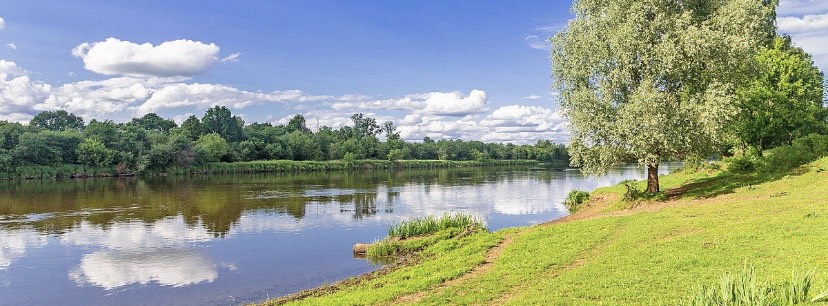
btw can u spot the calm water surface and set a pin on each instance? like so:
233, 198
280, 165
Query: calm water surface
237, 239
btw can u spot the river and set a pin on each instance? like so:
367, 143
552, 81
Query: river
244, 238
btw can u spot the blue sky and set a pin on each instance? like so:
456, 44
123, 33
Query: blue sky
444, 69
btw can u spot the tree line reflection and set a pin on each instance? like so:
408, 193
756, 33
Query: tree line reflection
218, 202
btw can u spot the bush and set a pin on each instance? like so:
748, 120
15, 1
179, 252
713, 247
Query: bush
800, 152
575, 198
742, 164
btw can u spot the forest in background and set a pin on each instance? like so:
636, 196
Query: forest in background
152, 144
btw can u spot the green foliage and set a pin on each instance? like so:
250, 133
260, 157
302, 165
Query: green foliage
56, 121
800, 152
784, 101
210, 148
92, 152
151, 144
221, 121
646, 81
395, 154
430, 224
743, 289
153, 122
575, 198
741, 164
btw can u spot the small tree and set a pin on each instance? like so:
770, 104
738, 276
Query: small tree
654, 79
210, 148
92, 152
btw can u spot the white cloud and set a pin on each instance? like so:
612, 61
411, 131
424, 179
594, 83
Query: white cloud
171, 58
532, 97
18, 93
207, 95
9, 68
454, 104
12, 46
431, 103
232, 58
2, 23
121, 98
439, 115
807, 23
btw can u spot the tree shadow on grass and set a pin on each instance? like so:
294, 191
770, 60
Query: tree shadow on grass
727, 182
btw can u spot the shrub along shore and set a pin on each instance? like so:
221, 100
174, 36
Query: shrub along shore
272, 166
721, 234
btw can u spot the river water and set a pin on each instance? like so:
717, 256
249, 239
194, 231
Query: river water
239, 239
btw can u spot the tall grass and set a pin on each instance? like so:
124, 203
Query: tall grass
430, 224
743, 289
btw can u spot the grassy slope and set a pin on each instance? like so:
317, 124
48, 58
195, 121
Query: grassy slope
653, 254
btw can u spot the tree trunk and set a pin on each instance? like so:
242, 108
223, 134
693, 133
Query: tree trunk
652, 178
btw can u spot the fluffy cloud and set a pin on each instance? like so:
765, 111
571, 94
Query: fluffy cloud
433, 103
11, 46
207, 95
454, 104
807, 23
18, 93
2, 23
171, 58
121, 98
438, 115
532, 97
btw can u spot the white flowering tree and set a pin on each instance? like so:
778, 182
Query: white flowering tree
651, 80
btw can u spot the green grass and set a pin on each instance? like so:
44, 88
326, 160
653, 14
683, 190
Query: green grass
430, 224
443, 261
775, 221
744, 289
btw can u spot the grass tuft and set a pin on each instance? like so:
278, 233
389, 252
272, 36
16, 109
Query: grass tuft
430, 224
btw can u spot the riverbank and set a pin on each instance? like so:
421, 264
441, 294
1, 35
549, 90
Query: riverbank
623, 252
272, 166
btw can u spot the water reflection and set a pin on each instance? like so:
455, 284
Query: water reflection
246, 236
168, 267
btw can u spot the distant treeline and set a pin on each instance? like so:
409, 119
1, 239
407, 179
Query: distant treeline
62, 142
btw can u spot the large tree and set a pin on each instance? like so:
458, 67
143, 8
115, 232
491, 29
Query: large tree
785, 99
220, 120
57, 121
654, 79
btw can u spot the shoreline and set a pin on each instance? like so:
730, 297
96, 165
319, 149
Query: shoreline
599, 233
77, 172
